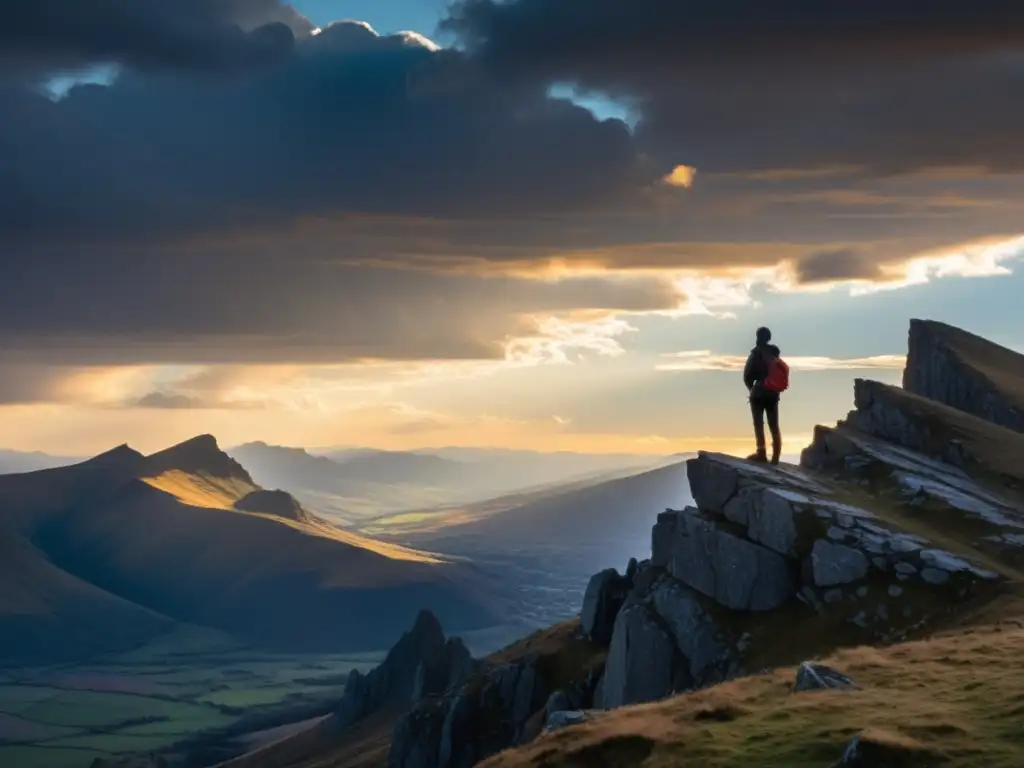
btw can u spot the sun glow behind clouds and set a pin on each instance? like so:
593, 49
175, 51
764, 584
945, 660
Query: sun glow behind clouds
681, 176
985, 258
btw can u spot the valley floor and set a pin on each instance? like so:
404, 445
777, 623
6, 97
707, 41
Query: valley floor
182, 689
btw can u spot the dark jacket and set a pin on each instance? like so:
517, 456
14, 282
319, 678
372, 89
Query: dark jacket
756, 371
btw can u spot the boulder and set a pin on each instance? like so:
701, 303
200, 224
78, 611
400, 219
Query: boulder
564, 718
813, 677
643, 664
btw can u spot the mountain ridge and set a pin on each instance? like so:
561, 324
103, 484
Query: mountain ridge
258, 565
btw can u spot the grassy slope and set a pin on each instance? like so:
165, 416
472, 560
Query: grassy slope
953, 700
48, 613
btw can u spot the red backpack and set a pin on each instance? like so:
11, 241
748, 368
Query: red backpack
777, 379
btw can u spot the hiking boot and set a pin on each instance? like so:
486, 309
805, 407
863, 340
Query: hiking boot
758, 456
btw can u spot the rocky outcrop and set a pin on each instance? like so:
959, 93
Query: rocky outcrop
277, 503
483, 718
507, 701
957, 368
760, 539
606, 592
665, 641
422, 663
899, 476
443, 672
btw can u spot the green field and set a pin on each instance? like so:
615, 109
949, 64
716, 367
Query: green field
192, 682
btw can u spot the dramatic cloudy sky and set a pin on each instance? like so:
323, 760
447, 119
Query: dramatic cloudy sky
530, 223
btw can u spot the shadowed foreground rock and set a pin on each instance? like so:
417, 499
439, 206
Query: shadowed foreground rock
422, 663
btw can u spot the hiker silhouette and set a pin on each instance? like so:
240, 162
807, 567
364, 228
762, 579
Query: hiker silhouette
766, 377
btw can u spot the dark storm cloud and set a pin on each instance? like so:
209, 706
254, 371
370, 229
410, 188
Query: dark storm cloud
196, 35
332, 130
570, 36
765, 84
835, 266
272, 216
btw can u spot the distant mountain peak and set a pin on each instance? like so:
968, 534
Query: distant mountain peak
120, 455
199, 455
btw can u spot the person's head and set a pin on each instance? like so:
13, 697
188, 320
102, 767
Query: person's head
763, 336
774, 351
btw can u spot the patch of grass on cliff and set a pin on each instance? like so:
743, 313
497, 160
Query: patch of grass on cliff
564, 655
955, 701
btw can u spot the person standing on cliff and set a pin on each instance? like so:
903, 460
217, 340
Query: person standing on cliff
766, 377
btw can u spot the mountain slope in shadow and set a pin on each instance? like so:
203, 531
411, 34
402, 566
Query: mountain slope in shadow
123, 545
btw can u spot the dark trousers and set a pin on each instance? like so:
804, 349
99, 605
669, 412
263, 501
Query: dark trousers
759, 408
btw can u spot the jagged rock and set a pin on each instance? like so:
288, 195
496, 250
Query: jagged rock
939, 368
606, 592
447, 670
460, 730
811, 677
837, 564
564, 718
900, 417
736, 572
394, 681
416, 739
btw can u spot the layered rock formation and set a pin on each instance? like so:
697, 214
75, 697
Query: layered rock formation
964, 371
